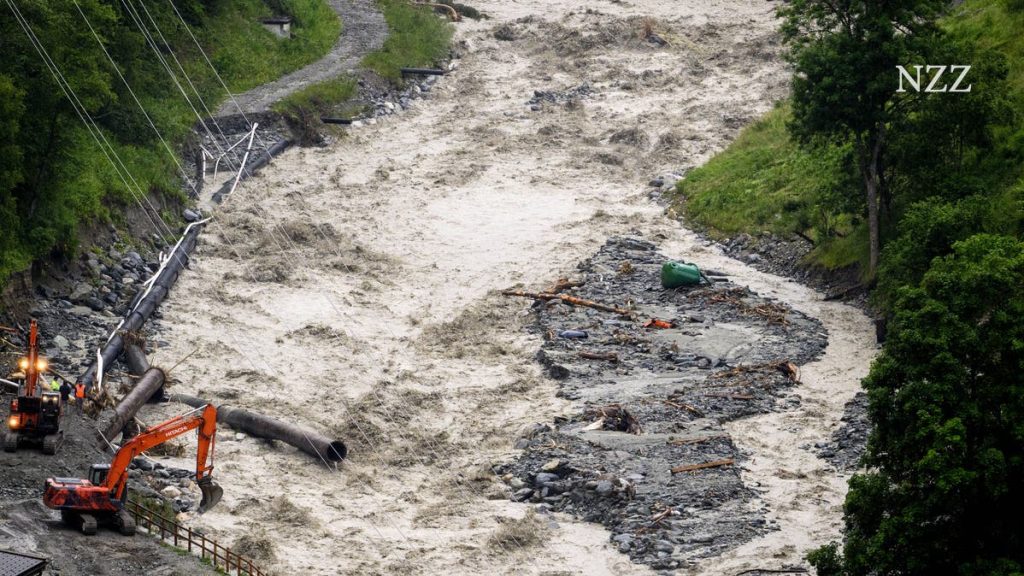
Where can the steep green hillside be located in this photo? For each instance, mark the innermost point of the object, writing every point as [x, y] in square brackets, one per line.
[53, 174]
[418, 38]
[940, 487]
[766, 181]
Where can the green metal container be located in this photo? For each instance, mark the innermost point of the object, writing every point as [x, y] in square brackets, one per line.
[676, 274]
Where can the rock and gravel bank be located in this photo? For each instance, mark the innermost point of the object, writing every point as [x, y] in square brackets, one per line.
[652, 399]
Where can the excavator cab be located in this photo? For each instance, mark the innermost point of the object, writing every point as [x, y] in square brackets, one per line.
[49, 408]
[98, 474]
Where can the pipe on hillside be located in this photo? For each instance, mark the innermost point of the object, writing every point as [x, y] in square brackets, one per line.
[144, 303]
[261, 160]
[141, 310]
[423, 71]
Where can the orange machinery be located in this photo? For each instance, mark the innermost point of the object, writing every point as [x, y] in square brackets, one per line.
[101, 498]
[35, 413]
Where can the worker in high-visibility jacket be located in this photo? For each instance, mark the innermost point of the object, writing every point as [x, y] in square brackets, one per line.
[80, 395]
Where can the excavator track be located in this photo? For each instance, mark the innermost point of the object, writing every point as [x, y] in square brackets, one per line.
[125, 522]
[88, 524]
[10, 442]
[51, 443]
[85, 522]
[68, 517]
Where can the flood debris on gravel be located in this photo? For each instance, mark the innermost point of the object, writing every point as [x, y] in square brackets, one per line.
[645, 453]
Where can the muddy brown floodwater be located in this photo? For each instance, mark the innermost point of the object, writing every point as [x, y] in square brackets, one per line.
[352, 288]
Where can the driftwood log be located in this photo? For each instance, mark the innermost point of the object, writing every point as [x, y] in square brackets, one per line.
[568, 300]
[313, 443]
[563, 284]
[701, 466]
[607, 356]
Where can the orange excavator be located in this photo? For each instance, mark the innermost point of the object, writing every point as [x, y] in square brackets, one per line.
[35, 413]
[101, 498]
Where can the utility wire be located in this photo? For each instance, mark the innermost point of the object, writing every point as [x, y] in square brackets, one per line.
[83, 114]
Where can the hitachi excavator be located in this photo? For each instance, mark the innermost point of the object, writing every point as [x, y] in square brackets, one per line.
[35, 413]
[101, 498]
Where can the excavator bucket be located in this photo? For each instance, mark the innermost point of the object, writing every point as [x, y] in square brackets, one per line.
[212, 493]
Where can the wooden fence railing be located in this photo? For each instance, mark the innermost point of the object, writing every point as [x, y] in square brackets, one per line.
[185, 538]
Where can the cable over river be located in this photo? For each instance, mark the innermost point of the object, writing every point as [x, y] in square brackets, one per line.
[355, 288]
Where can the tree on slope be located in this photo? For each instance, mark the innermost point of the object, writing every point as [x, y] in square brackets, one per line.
[943, 492]
[845, 87]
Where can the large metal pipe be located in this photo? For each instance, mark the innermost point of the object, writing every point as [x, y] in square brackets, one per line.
[150, 386]
[312, 443]
[144, 303]
[328, 120]
[136, 359]
[150, 383]
[423, 71]
[261, 160]
[162, 285]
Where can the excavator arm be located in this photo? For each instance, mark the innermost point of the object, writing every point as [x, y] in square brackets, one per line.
[31, 365]
[203, 418]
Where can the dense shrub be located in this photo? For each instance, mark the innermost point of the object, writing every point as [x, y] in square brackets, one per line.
[946, 457]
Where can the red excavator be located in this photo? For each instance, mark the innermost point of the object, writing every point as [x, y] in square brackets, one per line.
[101, 498]
[35, 413]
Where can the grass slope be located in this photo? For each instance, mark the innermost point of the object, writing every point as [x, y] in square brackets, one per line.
[765, 182]
[418, 37]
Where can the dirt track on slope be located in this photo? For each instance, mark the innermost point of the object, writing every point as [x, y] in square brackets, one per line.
[363, 30]
[353, 288]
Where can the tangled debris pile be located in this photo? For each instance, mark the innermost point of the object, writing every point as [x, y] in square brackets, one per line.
[646, 454]
[541, 97]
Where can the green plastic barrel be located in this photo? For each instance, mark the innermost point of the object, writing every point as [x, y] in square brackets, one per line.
[675, 274]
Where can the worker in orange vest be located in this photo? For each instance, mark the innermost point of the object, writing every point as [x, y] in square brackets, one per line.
[80, 395]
